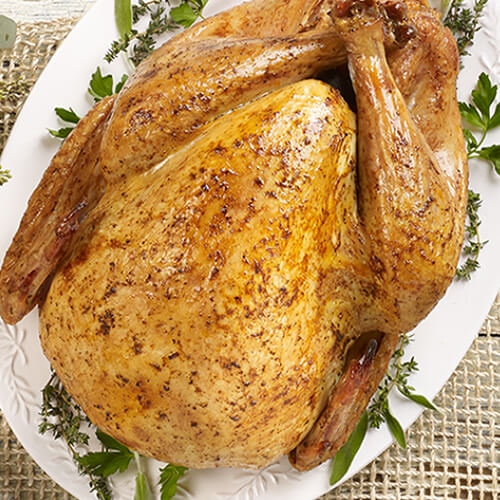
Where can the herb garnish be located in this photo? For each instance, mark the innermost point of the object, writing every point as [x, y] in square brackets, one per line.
[64, 418]
[473, 243]
[160, 21]
[464, 22]
[379, 411]
[482, 115]
[116, 457]
[479, 114]
[100, 86]
[344, 457]
[142, 488]
[5, 175]
[188, 12]
[169, 476]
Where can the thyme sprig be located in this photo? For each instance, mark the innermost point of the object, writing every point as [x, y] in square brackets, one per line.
[396, 377]
[464, 22]
[483, 115]
[63, 418]
[379, 410]
[473, 244]
[161, 20]
[5, 175]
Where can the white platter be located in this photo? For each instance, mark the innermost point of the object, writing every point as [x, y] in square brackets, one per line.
[441, 340]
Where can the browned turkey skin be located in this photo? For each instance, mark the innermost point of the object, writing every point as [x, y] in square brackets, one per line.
[241, 300]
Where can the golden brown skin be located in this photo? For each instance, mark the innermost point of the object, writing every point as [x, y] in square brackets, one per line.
[241, 300]
[153, 117]
[192, 291]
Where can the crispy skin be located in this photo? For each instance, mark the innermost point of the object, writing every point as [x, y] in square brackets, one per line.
[223, 260]
[210, 304]
[153, 117]
[177, 91]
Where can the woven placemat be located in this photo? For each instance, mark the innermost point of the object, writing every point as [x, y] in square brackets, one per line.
[453, 456]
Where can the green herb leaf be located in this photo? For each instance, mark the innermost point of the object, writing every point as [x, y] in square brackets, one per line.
[8, 29]
[169, 475]
[61, 133]
[470, 140]
[106, 463]
[395, 428]
[100, 86]
[184, 15]
[421, 400]
[484, 95]
[5, 175]
[111, 443]
[344, 457]
[142, 489]
[67, 115]
[121, 83]
[471, 114]
[495, 119]
[491, 154]
[479, 114]
[123, 17]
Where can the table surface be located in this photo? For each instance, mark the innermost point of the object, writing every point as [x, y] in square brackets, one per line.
[44, 10]
[454, 455]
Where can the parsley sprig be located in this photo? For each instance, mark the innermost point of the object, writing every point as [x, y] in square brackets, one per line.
[114, 458]
[169, 476]
[100, 86]
[482, 115]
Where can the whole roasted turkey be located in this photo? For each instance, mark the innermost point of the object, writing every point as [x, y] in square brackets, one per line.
[225, 255]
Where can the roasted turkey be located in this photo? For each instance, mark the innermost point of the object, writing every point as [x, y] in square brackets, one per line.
[225, 254]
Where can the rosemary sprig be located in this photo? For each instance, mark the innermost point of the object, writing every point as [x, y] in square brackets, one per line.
[464, 22]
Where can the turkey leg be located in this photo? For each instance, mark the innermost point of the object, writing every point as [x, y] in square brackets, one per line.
[412, 179]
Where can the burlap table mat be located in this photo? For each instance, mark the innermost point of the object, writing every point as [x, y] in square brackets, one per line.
[455, 455]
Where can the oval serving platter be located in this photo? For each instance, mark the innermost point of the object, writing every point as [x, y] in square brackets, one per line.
[441, 340]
